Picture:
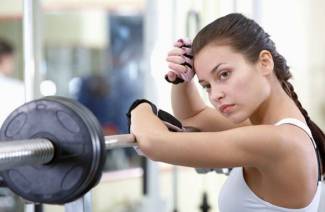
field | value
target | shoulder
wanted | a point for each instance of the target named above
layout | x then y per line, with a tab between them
294	137
297	142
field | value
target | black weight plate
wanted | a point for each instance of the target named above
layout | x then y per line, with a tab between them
78	152
93	122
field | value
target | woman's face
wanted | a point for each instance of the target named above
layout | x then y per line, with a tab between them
236	87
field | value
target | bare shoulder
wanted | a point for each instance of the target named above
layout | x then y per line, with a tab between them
293	151
295	138
300	149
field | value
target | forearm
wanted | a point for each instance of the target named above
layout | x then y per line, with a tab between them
255	146
186	100
184	149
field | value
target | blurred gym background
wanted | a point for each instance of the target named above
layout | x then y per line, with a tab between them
106	53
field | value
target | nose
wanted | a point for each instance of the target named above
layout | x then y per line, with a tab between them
217	95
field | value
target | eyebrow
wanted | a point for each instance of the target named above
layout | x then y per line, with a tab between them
212	71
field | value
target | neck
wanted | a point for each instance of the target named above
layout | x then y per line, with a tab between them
276	107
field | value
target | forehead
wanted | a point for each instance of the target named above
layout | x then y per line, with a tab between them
211	55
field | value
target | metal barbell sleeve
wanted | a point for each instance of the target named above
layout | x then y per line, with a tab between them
25	152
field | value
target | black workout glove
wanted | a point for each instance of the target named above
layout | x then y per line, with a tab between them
170	121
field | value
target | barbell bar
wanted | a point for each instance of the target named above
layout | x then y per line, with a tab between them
41	151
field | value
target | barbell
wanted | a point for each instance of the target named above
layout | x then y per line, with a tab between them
52	150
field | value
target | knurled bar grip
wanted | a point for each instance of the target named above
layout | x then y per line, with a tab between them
41	151
25	152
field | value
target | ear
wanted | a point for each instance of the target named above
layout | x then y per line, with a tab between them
265	62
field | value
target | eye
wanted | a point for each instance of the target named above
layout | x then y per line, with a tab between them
224	75
207	88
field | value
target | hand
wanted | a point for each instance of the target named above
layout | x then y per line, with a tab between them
135	105
147	129
145	120
180	62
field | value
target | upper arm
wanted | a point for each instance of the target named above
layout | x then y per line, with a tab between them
254	146
210	120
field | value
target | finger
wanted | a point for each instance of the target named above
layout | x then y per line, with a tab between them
171	76
187	41
176	81
189	61
184	42
187	51
178	43
176	59
187	76
176	51
176	68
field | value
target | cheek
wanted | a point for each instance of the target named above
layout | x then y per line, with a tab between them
239	90
249	91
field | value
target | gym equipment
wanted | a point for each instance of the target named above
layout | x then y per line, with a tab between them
52	150
205	207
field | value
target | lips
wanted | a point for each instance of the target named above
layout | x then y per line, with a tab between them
226	108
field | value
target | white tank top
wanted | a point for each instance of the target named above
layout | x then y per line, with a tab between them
236	196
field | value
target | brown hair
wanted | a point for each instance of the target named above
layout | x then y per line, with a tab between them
247	37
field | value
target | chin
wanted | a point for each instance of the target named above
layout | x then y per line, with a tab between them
236	118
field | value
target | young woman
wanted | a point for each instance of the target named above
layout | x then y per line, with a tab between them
257	125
